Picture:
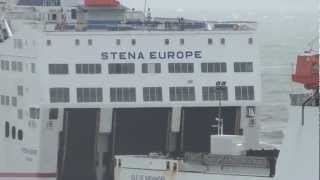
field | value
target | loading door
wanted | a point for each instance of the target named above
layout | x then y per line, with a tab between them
140	131
78	145
197	127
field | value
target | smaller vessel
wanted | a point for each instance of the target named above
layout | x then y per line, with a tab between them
230	160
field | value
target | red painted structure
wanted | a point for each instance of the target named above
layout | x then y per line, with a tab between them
307	71
108	3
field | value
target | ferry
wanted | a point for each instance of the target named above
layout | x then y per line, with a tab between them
83	82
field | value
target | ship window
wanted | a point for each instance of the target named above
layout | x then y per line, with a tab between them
166	41
14	66
3	100
152	94
5	65
14	101
58	69
49	42
20	135
250	41
19	66
151	68
181	68
20	114
73	14
123	68
210	41
33	67
90	42
243	67
59	95
214	94
54	17
7	129
13	132
244	92
213	67
7	100
122	94
89	95
118	42
53	113
222	41
181	41
88	68
133	42
182	93
34	113
77	42
20	90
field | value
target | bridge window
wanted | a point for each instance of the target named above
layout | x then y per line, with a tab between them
182	93
89	95
181	67
243	67
59	95
88	68
210	41
151	68
213	67
58	69
152	94
214	94
3	100
122	94
123	68
244	92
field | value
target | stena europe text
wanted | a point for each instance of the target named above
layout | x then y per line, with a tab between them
152	55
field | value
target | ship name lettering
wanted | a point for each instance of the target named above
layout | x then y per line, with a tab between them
153	55
145	177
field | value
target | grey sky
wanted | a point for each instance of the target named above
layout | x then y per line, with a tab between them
225	4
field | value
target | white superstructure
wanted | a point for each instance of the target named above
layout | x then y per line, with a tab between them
62	63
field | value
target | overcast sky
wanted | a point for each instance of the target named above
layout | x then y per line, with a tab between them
224	4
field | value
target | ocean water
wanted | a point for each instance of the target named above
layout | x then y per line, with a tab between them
282	36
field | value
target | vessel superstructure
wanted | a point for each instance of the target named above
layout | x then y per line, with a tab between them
81	83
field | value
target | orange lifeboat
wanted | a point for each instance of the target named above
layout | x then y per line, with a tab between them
307	71
97	3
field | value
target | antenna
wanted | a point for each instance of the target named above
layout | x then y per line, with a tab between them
145	7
